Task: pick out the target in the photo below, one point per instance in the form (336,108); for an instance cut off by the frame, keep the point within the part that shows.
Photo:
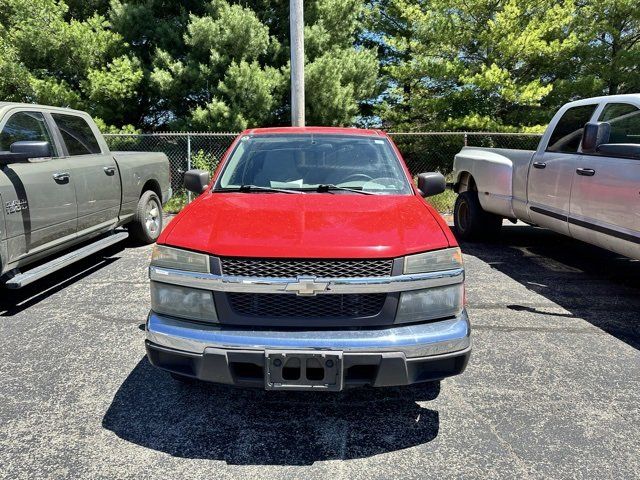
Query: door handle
(539,165)
(61,177)
(111,170)
(586,172)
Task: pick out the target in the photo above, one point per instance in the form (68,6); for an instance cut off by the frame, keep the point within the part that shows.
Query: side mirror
(594,135)
(22,151)
(196,180)
(31,149)
(431,183)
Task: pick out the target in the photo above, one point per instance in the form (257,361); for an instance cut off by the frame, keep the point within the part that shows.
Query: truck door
(605,198)
(38,197)
(95,173)
(552,170)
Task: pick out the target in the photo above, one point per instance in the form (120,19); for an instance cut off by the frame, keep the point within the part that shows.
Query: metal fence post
(189,160)
(465,139)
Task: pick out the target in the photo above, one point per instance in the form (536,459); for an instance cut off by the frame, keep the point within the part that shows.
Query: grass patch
(443,202)
(176,203)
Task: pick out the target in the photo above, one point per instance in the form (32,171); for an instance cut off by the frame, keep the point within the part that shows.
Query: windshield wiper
(253,188)
(331,187)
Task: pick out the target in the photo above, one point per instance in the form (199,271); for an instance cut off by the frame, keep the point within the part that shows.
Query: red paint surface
(312,225)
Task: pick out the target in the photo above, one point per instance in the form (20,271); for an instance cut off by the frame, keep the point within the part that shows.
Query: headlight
(179,259)
(430,303)
(190,303)
(436,261)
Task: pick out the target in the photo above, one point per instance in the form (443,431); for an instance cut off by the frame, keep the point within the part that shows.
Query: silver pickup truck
(61,187)
(582,181)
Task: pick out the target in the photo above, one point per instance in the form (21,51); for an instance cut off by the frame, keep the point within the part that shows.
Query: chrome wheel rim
(152,217)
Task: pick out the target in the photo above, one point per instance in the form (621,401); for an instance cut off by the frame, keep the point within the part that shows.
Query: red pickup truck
(310,261)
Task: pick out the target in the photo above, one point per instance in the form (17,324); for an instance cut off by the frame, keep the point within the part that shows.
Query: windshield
(323,163)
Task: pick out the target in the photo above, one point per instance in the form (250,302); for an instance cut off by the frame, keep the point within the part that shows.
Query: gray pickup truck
(64,194)
(582,181)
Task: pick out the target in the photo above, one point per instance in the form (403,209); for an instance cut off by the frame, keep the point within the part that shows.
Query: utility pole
(296,21)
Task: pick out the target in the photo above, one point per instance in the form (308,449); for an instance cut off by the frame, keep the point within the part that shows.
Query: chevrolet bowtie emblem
(306,286)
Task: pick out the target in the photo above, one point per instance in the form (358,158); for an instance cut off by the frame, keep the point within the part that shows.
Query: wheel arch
(152,185)
(489,172)
(465,182)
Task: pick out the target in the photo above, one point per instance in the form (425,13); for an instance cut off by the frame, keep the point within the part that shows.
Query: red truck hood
(307,226)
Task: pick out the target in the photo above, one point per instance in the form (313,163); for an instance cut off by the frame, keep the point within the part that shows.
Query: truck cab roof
(314,130)
(36,106)
(629,97)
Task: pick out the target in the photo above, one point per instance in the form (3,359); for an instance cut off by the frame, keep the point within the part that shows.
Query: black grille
(275,268)
(325,306)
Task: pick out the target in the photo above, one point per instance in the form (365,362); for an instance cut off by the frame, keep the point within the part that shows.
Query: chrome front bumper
(390,354)
(413,341)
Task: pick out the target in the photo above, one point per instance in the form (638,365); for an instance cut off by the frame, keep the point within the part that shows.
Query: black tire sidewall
(480,224)
(138,228)
(456,214)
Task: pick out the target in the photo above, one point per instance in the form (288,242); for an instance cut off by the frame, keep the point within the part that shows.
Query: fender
(136,178)
(491,174)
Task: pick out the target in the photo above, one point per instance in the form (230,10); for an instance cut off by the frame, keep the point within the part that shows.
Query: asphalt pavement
(552,389)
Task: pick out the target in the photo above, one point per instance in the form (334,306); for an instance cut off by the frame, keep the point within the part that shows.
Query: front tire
(147,220)
(471,221)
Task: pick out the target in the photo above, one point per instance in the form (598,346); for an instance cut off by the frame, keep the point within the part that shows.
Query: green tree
(50,59)
(606,60)
(232,70)
(470,64)
(190,64)
(340,78)
(507,64)
(222,80)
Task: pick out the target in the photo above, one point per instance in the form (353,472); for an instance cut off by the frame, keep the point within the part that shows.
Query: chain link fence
(434,151)
(423,151)
(184,150)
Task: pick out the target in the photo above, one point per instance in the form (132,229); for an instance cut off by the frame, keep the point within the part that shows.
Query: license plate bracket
(295,370)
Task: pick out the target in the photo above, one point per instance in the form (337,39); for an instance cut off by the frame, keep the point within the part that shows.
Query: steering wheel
(356,176)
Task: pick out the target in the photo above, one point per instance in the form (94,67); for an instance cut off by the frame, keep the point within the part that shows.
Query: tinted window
(625,122)
(25,126)
(77,134)
(567,135)
(305,162)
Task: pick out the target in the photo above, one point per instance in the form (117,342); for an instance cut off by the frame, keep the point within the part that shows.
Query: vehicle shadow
(255,427)
(591,283)
(13,302)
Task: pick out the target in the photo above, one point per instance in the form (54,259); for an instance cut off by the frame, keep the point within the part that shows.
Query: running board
(58,263)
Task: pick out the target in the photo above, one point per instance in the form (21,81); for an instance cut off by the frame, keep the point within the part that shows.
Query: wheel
(471,221)
(147,220)
(183,378)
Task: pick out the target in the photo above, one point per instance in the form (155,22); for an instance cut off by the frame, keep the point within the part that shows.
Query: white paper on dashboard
(289,184)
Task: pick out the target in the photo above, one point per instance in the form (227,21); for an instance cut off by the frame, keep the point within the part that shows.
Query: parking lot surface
(552,389)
